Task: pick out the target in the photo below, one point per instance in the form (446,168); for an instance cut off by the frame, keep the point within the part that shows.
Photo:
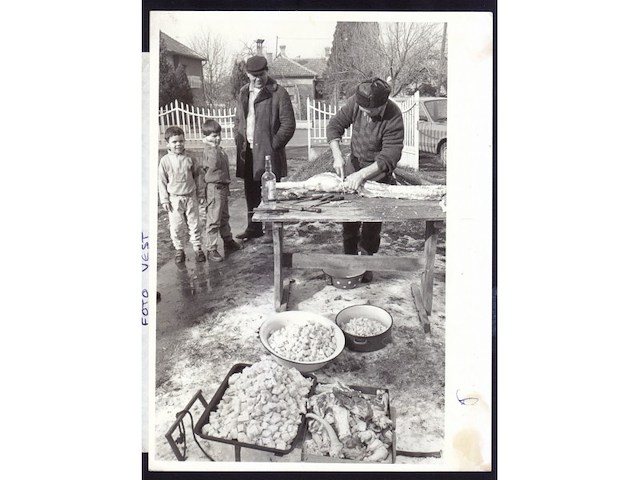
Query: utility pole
(444,41)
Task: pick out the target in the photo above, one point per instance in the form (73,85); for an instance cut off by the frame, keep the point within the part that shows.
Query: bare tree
(411,54)
(407,55)
(442,81)
(216,68)
(247,50)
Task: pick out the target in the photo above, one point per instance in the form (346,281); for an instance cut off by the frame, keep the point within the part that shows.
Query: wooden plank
(187,120)
(418,300)
(286,292)
(277,265)
(182,122)
(199,122)
(431,240)
(375,263)
(309,127)
(162,127)
(175,112)
(355,208)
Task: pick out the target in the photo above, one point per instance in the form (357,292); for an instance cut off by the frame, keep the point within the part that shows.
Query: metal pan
(213,405)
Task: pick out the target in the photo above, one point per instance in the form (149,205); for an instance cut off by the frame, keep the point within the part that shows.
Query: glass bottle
(268,182)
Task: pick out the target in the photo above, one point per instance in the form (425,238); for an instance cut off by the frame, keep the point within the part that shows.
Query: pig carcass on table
(326,182)
(329,182)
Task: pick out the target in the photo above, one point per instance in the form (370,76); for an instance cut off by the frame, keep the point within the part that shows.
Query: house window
(195,81)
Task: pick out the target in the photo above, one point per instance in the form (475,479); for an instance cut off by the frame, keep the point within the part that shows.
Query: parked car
(432,126)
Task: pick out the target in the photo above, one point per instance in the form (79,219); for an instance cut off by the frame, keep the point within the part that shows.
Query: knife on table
(288,208)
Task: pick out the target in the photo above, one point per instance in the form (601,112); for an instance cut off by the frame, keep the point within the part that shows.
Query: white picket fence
(190,119)
(410,115)
(319,113)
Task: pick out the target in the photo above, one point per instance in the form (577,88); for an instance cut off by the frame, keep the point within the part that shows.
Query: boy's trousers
(184,207)
(217,215)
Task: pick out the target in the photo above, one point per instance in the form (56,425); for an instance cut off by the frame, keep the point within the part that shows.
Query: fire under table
(360,209)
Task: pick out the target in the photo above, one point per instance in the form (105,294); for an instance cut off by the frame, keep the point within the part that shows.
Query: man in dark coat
(263,125)
(376,147)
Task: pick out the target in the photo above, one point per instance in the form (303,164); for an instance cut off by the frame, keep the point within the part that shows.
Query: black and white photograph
(264,240)
(303,307)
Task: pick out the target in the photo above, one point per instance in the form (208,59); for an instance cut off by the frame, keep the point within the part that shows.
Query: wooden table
(356,208)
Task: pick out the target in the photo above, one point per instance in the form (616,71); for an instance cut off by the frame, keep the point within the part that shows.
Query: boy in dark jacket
(215,165)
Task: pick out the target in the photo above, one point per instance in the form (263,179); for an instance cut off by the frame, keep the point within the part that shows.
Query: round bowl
(365,344)
(344,277)
(282,319)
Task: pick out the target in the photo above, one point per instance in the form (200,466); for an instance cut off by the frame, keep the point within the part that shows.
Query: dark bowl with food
(366,328)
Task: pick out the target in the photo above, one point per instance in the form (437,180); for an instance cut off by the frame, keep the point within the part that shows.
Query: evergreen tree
(355,56)
(174,84)
(183,91)
(166,73)
(238,77)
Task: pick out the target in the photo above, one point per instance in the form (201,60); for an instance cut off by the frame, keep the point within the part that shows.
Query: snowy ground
(209,316)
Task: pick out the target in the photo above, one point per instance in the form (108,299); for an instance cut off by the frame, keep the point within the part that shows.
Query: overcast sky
(304,34)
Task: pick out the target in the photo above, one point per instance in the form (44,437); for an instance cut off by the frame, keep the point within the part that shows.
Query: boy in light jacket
(180,193)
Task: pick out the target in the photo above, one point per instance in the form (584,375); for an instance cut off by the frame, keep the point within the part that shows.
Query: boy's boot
(200,256)
(214,256)
(180,257)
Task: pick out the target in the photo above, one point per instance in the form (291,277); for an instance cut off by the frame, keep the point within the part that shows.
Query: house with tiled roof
(301,77)
(192,62)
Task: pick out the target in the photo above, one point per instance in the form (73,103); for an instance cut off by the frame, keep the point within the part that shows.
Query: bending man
(376,146)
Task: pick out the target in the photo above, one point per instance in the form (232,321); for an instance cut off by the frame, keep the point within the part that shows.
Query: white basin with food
(302,340)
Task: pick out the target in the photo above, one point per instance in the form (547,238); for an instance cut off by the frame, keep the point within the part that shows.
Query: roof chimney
(282,50)
(259,43)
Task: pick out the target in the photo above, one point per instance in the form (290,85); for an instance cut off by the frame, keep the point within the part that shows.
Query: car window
(437,109)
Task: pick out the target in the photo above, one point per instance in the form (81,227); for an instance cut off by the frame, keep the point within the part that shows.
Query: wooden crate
(313,458)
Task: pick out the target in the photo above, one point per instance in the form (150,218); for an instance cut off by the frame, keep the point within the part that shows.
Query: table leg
(423,294)
(431,235)
(277,265)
